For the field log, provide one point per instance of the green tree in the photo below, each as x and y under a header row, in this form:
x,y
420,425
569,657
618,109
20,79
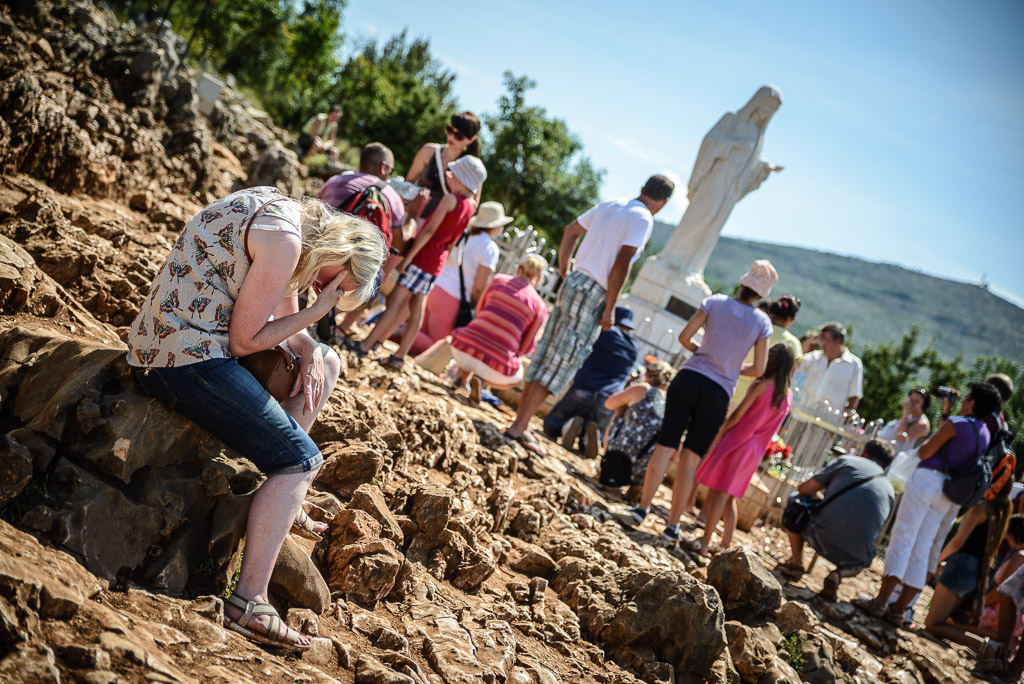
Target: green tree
x,y
535,165
893,369
397,93
309,65
889,369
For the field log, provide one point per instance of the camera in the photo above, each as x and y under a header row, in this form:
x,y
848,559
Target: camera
x,y
944,392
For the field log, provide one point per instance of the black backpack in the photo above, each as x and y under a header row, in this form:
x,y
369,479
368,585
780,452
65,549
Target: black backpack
x,y
616,469
966,485
617,466
1004,463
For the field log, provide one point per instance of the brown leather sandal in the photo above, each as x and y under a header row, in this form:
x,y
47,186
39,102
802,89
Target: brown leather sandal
x,y
278,634
305,527
790,570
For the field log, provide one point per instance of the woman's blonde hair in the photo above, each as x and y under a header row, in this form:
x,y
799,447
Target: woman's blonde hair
x,y
532,266
331,238
660,373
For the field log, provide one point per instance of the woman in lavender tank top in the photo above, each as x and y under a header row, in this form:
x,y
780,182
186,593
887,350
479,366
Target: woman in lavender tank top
x,y
924,505
698,398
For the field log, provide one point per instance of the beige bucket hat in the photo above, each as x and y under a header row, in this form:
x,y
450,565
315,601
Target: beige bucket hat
x,y
491,215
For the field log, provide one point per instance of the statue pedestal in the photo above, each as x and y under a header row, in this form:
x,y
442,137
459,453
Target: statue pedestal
x,y
664,282
663,299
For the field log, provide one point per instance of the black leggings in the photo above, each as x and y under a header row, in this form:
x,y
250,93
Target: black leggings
x,y
696,404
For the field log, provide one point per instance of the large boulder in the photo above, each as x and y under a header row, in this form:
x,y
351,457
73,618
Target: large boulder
x,y
347,466
35,579
369,498
668,614
26,289
120,481
752,655
796,616
747,589
297,581
820,664
364,570
278,166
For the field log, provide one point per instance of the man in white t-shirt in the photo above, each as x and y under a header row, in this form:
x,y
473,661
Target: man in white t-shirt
x,y
833,372
614,234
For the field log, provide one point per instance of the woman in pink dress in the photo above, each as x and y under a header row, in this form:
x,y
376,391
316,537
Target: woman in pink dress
x,y
741,443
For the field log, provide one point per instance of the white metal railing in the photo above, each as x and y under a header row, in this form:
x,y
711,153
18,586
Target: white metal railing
x,y
515,244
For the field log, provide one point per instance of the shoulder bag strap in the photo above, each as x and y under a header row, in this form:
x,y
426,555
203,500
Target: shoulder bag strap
x,y
462,282
647,446
248,222
440,169
845,489
462,257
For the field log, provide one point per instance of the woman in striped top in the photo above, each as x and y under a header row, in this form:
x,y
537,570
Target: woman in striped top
x,y
508,321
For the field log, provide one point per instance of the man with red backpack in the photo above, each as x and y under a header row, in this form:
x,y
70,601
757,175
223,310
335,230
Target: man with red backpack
x,y
366,193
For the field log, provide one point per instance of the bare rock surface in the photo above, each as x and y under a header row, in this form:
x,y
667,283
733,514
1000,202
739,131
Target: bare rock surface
x,y
745,585
451,556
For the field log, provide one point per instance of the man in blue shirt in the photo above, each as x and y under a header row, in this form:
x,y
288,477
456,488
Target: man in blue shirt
x,y
603,373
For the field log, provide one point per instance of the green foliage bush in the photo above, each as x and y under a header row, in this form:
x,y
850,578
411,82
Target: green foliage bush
x,y
794,646
536,167
287,56
396,93
892,369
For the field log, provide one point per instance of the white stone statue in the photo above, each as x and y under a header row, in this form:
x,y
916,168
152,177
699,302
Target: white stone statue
x,y
728,166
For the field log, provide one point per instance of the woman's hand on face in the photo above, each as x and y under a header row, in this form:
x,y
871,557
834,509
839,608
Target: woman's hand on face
x,y
311,378
331,292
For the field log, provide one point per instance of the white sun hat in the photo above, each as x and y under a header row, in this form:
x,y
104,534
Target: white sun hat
x,y
470,171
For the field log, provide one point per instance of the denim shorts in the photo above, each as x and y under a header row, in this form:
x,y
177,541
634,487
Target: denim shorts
x,y
960,574
223,398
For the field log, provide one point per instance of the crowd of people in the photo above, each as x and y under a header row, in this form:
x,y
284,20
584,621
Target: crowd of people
x,y
230,291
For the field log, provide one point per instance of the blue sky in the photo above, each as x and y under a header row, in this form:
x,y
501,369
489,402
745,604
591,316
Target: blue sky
x,y
899,130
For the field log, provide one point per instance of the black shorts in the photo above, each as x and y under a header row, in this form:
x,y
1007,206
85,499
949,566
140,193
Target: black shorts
x,y
694,404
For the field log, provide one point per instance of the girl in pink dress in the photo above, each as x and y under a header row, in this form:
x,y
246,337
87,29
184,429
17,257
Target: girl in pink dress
x,y
741,443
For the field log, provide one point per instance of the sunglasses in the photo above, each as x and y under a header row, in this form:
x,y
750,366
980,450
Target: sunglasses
x,y
456,133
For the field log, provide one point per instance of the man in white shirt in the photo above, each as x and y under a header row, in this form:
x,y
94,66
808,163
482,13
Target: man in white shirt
x,y
614,234
833,372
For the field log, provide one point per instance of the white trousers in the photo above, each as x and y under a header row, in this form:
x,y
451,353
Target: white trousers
x,y
488,375
921,514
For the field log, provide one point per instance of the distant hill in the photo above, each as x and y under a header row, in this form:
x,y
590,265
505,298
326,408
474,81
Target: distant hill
x,y
878,301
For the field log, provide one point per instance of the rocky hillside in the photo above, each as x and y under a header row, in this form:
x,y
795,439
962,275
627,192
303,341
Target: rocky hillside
x,y
451,556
